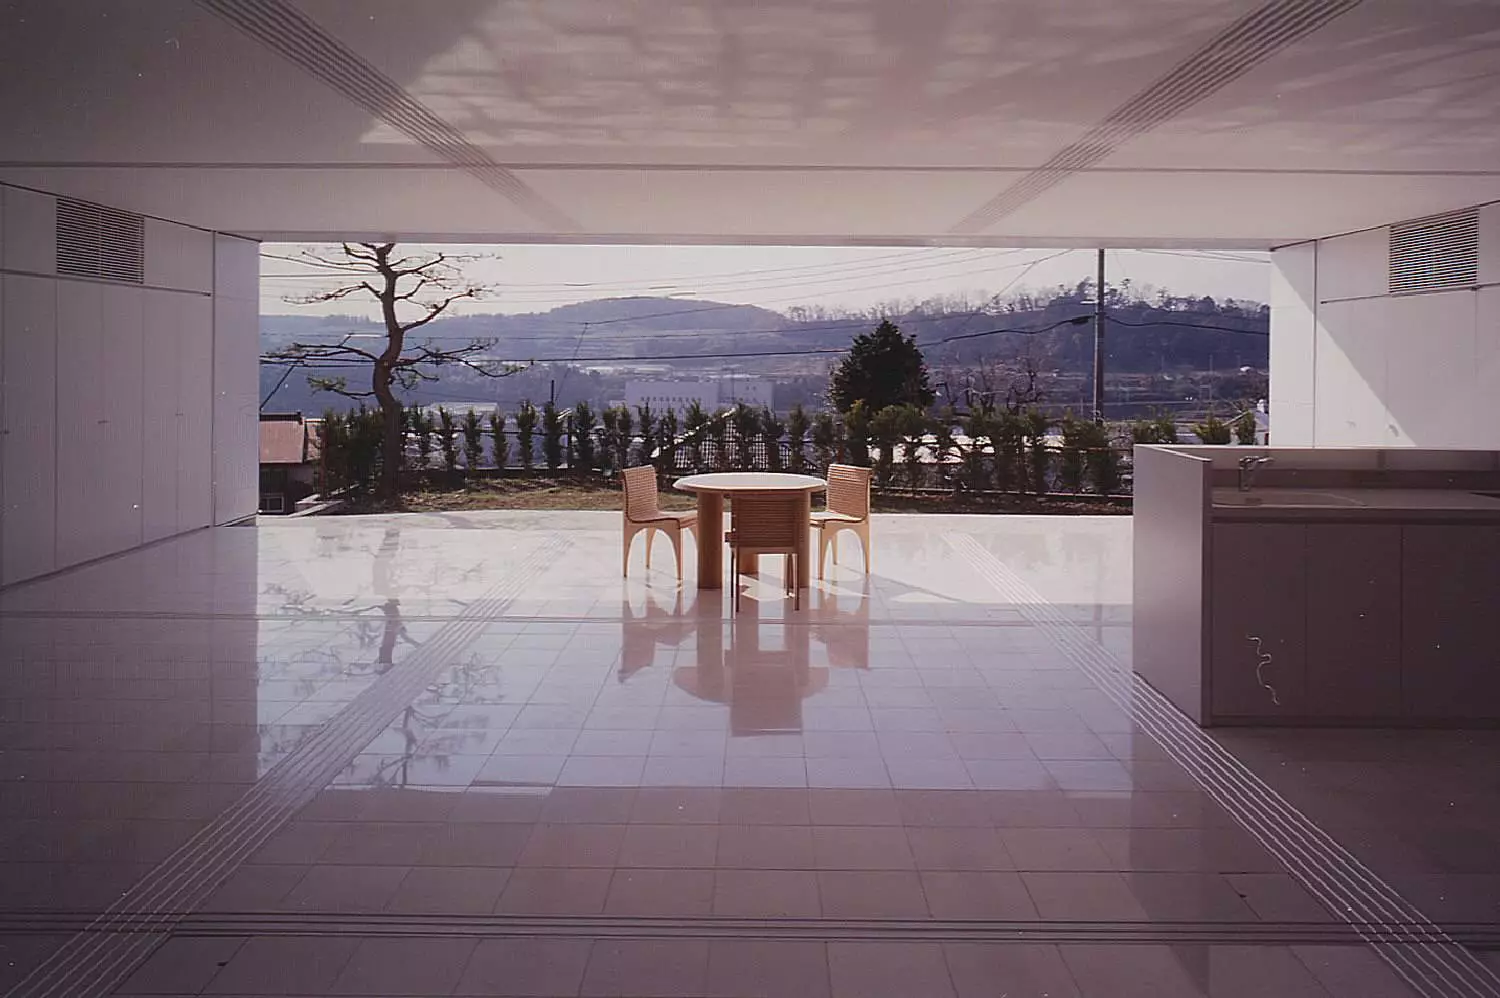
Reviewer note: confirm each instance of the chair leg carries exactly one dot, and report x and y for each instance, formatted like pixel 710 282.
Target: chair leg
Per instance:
pixel 677 550
pixel 650 536
pixel 625 556
pixel 864 543
pixel 791 565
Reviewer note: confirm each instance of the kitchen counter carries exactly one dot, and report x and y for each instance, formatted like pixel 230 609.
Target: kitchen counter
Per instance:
pixel 1355 505
pixel 1344 587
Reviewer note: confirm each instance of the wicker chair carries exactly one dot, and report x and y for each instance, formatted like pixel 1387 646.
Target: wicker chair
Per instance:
pixel 643 512
pixel 767 523
pixel 848 509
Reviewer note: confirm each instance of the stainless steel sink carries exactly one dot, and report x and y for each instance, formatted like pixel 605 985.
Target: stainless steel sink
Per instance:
pixel 1284 499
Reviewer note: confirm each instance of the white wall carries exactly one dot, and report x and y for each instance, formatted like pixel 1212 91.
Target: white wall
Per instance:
pixel 1354 366
pixel 236 378
pixel 114 396
pixel 1294 320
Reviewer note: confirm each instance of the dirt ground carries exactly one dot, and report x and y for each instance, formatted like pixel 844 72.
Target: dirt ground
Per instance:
pixel 564 493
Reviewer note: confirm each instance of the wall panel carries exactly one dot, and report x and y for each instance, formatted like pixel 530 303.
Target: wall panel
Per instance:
pixel 30 231
pixel 1350 375
pixel 1294 323
pixel 195 393
pixel 110 394
pixel 236 426
pixel 1430 387
pixel 124 390
pixel 82 415
pixel 1489 244
pixel 159 414
pixel 27 406
pixel 1383 370
pixel 1353 266
pixel 179 257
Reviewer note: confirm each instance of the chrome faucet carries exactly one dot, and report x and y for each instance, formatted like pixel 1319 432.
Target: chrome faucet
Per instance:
pixel 1249 466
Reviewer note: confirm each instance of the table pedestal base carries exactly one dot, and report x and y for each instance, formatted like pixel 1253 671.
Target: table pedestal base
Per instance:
pixel 711 543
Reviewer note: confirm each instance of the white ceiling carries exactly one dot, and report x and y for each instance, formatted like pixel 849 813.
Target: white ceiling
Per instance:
pixel 995 122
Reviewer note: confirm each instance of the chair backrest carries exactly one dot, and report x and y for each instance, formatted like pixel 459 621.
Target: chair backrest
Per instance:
pixel 849 490
pixel 767 520
pixel 640 493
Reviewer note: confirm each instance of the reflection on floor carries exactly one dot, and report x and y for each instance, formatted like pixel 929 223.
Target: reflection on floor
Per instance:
pixel 458 754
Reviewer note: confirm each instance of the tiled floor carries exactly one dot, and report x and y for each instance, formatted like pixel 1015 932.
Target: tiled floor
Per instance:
pixel 458 754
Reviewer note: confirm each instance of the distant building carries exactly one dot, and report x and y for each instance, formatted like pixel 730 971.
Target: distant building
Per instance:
pixel 458 409
pixel 289 459
pixel 711 395
pixel 754 392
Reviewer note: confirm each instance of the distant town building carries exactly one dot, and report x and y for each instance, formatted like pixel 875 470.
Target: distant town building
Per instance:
pixel 457 409
pixel 289 458
pixel 711 395
pixel 754 392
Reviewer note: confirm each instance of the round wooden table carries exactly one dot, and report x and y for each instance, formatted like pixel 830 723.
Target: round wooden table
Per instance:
pixel 711 490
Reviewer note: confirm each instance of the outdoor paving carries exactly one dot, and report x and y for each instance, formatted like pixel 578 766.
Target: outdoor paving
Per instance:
pixel 458 754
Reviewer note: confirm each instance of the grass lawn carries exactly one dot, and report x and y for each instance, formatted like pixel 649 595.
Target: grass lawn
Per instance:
pixel 568 493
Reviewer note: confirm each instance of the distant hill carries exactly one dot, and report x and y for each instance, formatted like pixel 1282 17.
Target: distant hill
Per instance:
pixel 606 335
pixel 541 333
pixel 667 314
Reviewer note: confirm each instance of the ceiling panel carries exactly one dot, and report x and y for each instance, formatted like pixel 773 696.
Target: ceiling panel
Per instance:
pixel 814 121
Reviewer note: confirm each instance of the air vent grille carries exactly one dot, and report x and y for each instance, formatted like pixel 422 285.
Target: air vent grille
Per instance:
pixel 96 241
pixel 1435 253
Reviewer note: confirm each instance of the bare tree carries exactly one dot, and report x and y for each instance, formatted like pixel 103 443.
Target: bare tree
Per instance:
pixel 985 384
pixel 412 290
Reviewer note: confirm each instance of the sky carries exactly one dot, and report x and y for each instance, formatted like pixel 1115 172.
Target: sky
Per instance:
pixel 531 278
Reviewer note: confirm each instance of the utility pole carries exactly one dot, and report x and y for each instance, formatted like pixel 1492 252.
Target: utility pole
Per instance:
pixel 1099 343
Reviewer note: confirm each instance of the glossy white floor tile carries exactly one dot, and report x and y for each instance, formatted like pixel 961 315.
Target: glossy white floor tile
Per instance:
pixel 421 719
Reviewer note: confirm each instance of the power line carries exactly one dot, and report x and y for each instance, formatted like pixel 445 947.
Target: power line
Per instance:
pixel 272 394
pixel 883 284
pixel 577 344
pixel 718 307
pixel 816 351
pixel 673 280
pixel 1192 325
pixel 828 325
pixel 1012 283
pixel 854 272
pixel 725 306
pixel 1205 255
pixel 762 283
pixel 806 328
pixel 335 363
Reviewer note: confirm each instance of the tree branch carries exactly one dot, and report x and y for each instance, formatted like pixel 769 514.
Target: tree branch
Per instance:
pixel 438 308
pixel 338 386
pixel 422 282
pixel 319 351
pixel 315 262
pixel 408 377
pixel 505 369
pixel 326 296
pixel 440 260
pixel 429 354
